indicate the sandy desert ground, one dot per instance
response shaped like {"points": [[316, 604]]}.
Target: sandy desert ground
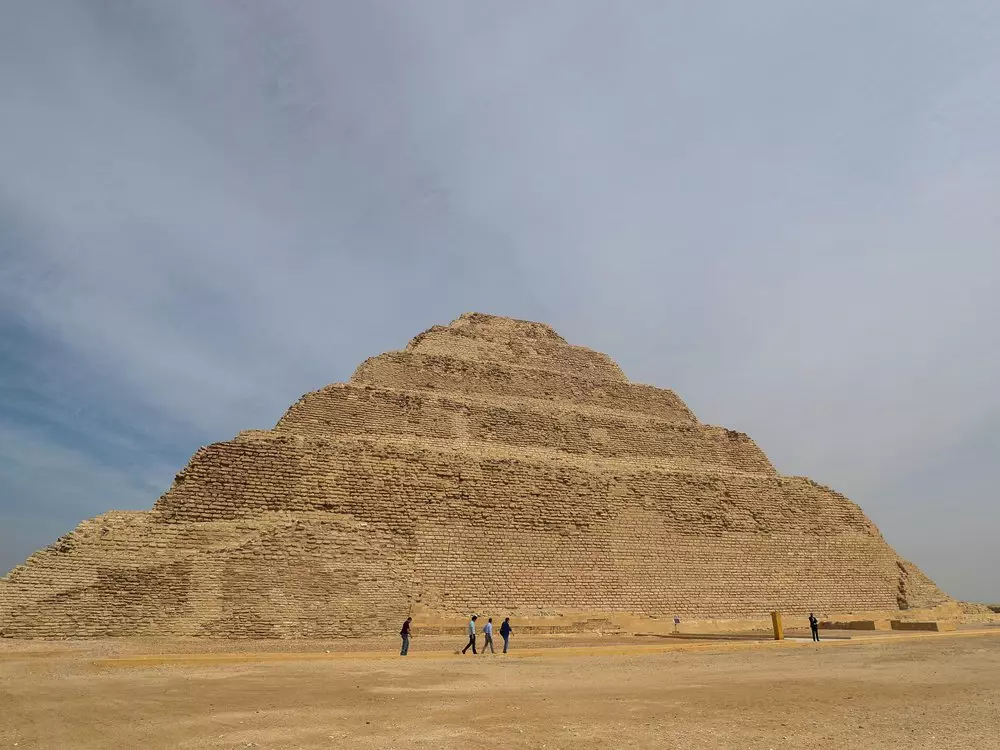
{"points": [[902, 691]]}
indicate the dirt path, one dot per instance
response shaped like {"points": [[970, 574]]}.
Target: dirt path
{"points": [[908, 693]]}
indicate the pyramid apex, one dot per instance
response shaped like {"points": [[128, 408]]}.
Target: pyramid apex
{"points": [[488, 324]]}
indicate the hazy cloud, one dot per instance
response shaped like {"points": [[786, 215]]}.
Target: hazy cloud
{"points": [[784, 211]]}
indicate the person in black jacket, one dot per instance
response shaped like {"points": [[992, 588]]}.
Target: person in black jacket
{"points": [[405, 633], [505, 633], [814, 626]]}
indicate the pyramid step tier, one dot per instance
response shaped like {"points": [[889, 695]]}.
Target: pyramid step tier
{"points": [[352, 410], [311, 575], [395, 482], [286, 575], [491, 343], [409, 371], [343, 572]]}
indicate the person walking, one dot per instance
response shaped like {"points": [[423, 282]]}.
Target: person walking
{"points": [[488, 632], [472, 636], [505, 633], [814, 626], [405, 633]]}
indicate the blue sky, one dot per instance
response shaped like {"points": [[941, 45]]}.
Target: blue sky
{"points": [[786, 212]]}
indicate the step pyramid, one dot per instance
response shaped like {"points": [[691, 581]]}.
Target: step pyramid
{"points": [[489, 466]]}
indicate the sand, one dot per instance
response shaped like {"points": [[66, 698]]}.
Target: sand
{"points": [[896, 691]]}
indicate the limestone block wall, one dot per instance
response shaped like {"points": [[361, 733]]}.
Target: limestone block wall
{"points": [[274, 576], [916, 589], [410, 371], [346, 410], [481, 343], [490, 466], [731, 545], [381, 481]]}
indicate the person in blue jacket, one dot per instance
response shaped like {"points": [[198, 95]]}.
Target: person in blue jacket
{"points": [[505, 633]]}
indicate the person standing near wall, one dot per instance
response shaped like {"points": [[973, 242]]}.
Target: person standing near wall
{"points": [[505, 633], [405, 633], [814, 626], [488, 632], [472, 636]]}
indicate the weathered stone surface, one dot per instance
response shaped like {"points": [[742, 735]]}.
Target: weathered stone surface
{"points": [[490, 466], [933, 626], [856, 625]]}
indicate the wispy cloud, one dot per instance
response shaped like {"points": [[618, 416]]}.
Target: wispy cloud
{"points": [[785, 212]]}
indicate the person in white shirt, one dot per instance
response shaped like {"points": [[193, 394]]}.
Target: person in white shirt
{"points": [[488, 632], [472, 636]]}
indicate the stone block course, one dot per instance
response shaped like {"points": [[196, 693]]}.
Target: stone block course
{"points": [[350, 410], [423, 372], [933, 626]]}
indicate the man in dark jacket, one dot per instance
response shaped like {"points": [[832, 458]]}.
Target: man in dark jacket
{"points": [[814, 626], [505, 633], [405, 633]]}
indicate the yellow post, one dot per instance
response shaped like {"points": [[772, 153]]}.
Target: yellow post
{"points": [[779, 632]]}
